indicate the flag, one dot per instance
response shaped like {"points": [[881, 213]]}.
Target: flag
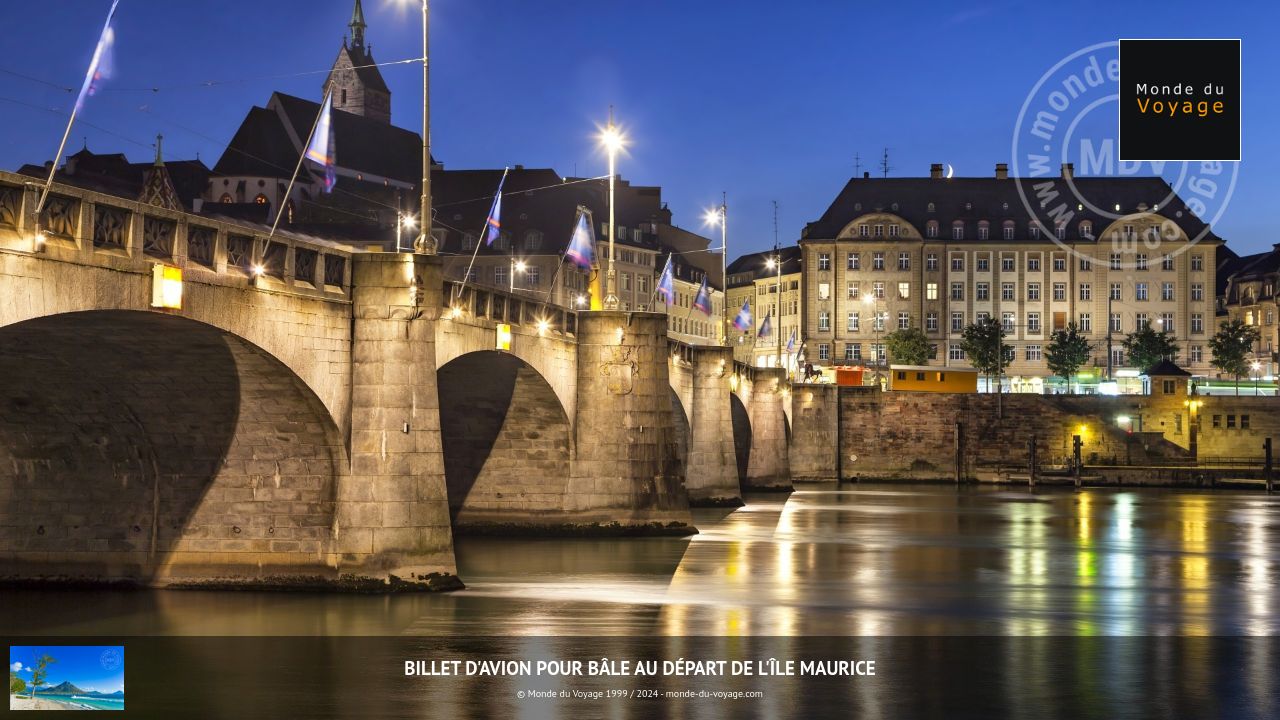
{"points": [[791, 341], [743, 320], [766, 327], [100, 65], [493, 225], [702, 300], [320, 149], [666, 284], [582, 247]]}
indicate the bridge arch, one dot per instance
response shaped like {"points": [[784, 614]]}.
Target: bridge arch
{"points": [[741, 435], [148, 447], [507, 440]]}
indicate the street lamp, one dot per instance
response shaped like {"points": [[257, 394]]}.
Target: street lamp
{"points": [[613, 141], [870, 299], [720, 216], [1257, 367], [517, 266], [407, 222], [775, 263]]}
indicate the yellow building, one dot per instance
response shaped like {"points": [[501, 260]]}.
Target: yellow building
{"points": [[925, 378], [754, 279]]}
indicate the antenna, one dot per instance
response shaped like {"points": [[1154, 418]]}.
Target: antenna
{"points": [[775, 226], [884, 163], [857, 164]]}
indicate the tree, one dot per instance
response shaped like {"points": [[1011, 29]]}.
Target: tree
{"points": [[1066, 352], [1147, 347], [983, 344], [40, 672], [16, 684], [1231, 346], [908, 347]]}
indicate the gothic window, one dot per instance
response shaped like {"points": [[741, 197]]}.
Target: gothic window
{"points": [[261, 199]]}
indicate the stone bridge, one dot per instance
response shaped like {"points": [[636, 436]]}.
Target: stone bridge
{"points": [[314, 414]]}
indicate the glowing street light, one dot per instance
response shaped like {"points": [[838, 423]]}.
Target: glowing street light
{"points": [[426, 135], [613, 141], [719, 216], [517, 266]]}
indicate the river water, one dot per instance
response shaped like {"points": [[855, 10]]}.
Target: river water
{"points": [[989, 568]]}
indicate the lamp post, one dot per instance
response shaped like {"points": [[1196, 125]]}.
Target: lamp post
{"points": [[720, 216], [516, 266], [1257, 368], [426, 138], [611, 138], [870, 299], [406, 222], [775, 263]]}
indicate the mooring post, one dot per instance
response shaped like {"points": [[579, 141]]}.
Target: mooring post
{"points": [[1266, 467], [1076, 445], [959, 445], [1031, 462]]}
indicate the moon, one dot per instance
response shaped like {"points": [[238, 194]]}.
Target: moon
{"points": [[950, 171]]}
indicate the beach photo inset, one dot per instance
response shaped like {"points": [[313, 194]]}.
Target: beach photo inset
{"points": [[66, 677]]}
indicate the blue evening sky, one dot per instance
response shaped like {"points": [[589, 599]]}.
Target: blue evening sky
{"points": [[764, 100], [82, 666]]}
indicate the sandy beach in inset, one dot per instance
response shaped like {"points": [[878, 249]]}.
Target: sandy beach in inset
{"points": [[24, 702]]}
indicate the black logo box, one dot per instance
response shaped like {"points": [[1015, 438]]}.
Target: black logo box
{"points": [[1187, 68]]}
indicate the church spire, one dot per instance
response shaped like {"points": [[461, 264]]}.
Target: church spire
{"points": [[357, 26]]}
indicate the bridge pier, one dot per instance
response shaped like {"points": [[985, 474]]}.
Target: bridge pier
{"points": [[391, 524], [711, 473], [768, 467], [625, 474]]}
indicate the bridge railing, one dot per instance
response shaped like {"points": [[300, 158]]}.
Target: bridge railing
{"points": [[487, 303], [93, 228]]}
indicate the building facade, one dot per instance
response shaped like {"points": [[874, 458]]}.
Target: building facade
{"points": [[940, 253], [1249, 295], [754, 280]]}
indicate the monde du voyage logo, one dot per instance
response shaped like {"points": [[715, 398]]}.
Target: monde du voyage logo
{"points": [[1180, 100]]}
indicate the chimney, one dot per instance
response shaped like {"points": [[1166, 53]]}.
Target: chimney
{"points": [[866, 174], [935, 171], [1068, 170], [1002, 171]]}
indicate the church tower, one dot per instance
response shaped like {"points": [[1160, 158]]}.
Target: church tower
{"points": [[357, 84]]}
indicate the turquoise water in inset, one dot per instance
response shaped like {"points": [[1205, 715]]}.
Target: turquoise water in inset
{"points": [[89, 702]]}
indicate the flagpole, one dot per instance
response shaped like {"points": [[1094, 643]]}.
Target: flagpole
{"points": [[301, 156], [467, 275]]}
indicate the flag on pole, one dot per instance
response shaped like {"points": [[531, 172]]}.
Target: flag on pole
{"points": [[766, 327], [666, 284], [702, 300], [582, 247], [743, 321], [493, 225], [320, 149], [100, 65], [791, 341]]}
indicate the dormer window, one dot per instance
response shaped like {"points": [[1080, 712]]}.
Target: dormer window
{"points": [[957, 230], [1007, 229], [984, 230], [1086, 229], [931, 227], [931, 207]]}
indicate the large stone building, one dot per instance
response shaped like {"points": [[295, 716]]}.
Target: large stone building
{"points": [[685, 322], [753, 279], [941, 253], [1249, 294]]}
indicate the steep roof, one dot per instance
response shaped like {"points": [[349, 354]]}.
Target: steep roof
{"points": [[1166, 368], [972, 199], [113, 174]]}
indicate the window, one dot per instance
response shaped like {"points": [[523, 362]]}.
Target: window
{"points": [[642, 284], [1033, 291], [1006, 291], [824, 351], [824, 291], [626, 282], [893, 230], [1061, 230], [878, 321], [1166, 262], [1231, 421], [1086, 322], [984, 230], [1086, 264], [957, 230], [984, 264], [931, 262], [904, 260], [1059, 264], [500, 275], [1008, 320], [984, 291], [904, 291], [957, 291], [824, 261], [1059, 291], [534, 275], [1115, 261], [1033, 264], [853, 351], [1197, 354], [1033, 353], [983, 318], [1197, 263], [1169, 386], [261, 199], [904, 320], [1142, 261], [955, 352], [1244, 422], [1166, 291], [853, 261], [1007, 231], [1117, 357], [877, 352], [1033, 231], [1033, 322], [957, 322], [864, 231], [877, 261], [879, 231], [1086, 291], [931, 291], [931, 321], [824, 320], [1116, 290], [853, 288], [1086, 229], [877, 288], [1217, 421], [931, 229], [852, 322], [1166, 322], [1006, 264], [1197, 292], [1141, 320], [1115, 323], [1140, 291], [957, 263]]}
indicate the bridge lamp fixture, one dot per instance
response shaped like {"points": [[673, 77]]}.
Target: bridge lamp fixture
{"points": [[503, 341], [580, 301], [455, 312], [733, 382], [543, 326], [166, 287], [40, 239], [409, 222], [520, 266], [258, 270]]}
